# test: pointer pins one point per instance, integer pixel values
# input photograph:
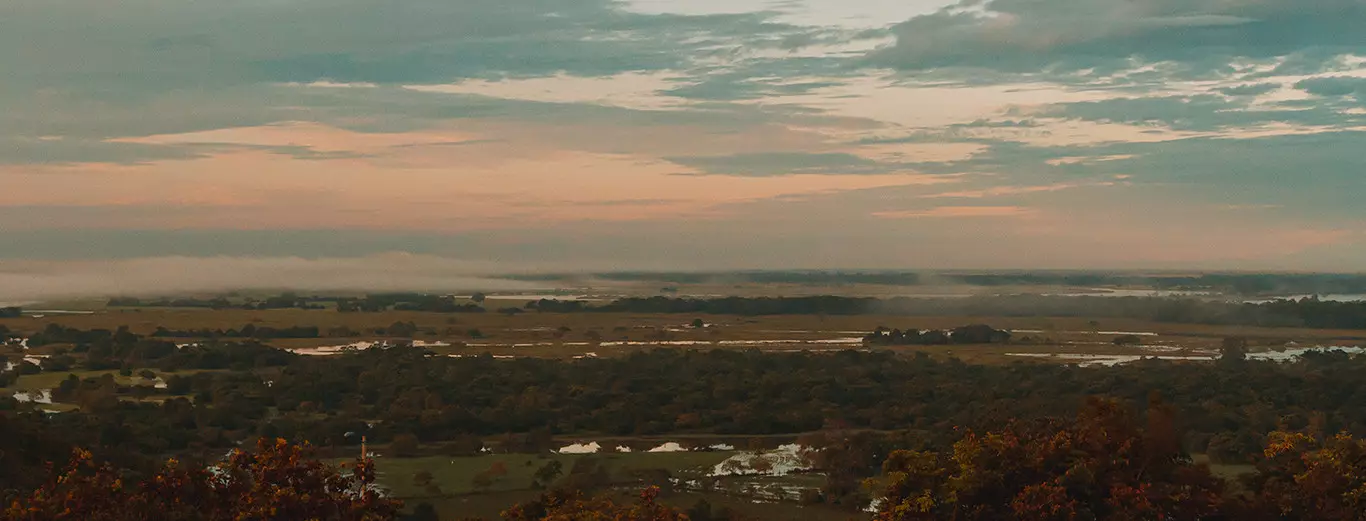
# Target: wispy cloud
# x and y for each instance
(632, 130)
(1000, 191)
(954, 212)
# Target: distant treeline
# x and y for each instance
(285, 301)
(1232, 283)
(755, 277)
(973, 334)
(1227, 406)
(408, 302)
(247, 331)
(397, 329)
(1308, 312)
(11, 312)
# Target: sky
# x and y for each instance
(195, 136)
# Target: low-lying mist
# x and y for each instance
(31, 281)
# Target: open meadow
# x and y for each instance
(568, 335)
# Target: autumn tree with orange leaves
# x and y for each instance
(1103, 466)
(276, 482)
(1304, 478)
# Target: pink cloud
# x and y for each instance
(959, 212)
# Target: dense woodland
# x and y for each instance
(1107, 464)
(1304, 312)
(1224, 283)
(253, 390)
(971, 334)
(224, 388)
(1307, 312)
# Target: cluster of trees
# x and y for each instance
(1306, 312)
(1232, 283)
(278, 481)
(102, 349)
(573, 505)
(282, 301)
(805, 277)
(1228, 283)
(247, 331)
(11, 312)
(971, 334)
(262, 391)
(1107, 464)
(822, 305)
(1111, 465)
(409, 302)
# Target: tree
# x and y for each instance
(481, 482)
(1127, 340)
(423, 512)
(404, 445)
(548, 473)
(1101, 466)
(277, 482)
(573, 506)
(424, 480)
(1305, 478)
(586, 475)
(478, 297)
(1233, 349)
(698, 323)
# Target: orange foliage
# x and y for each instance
(1304, 478)
(1102, 466)
(277, 482)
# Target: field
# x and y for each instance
(553, 335)
(454, 484)
(455, 495)
(40, 381)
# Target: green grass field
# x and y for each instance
(34, 382)
(458, 498)
(455, 475)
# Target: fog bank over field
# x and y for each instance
(29, 281)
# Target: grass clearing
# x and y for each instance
(458, 498)
(35, 382)
(455, 475)
(565, 336)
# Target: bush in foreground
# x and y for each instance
(277, 482)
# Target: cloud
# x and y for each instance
(1331, 86)
(1312, 174)
(204, 66)
(951, 212)
(1206, 112)
(1072, 35)
(419, 41)
(27, 281)
(764, 164)
(1001, 191)
(1251, 89)
(37, 151)
(584, 129)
